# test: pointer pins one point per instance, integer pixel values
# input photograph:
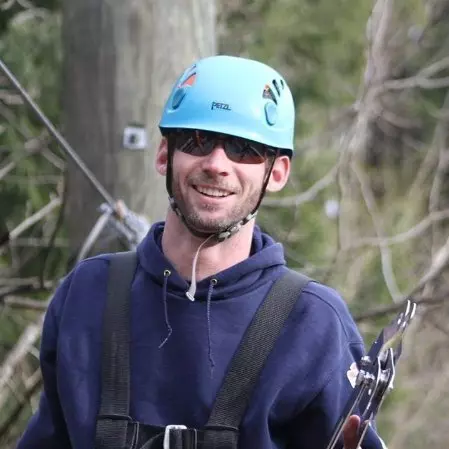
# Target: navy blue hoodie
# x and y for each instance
(300, 392)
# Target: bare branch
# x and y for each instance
(304, 197)
(35, 286)
(11, 99)
(16, 356)
(435, 67)
(38, 180)
(32, 282)
(18, 302)
(386, 260)
(31, 388)
(26, 4)
(415, 82)
(421, 79)
(438, 265)
(40, 243)
(8, 4)
(379, 32)
(381, 311)
(415, 231)
(51, 157)
(6, 168)
(32, 146)
(30, 221)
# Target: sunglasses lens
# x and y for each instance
(241, 151)
(202, 143)
(186, 142)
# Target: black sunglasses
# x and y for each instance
(202, 143)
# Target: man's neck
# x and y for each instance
(180, 247)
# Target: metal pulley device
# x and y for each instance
(376, 373)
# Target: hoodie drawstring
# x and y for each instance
(167, 273)
(213, 282)
(210, 291)
(192, 290)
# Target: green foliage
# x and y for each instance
(30, 46)
(31, 49)
(16, 8)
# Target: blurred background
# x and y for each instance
(367, 207)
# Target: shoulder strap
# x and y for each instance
(258, 341)
(114, 406)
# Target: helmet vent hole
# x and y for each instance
(282, 84)
(189, 81)
(276, 86)
(268, 93)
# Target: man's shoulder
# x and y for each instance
(324, 305)
(86, 275)
(91, 266)
(326, 297)
(321, 294)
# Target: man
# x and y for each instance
(228, 130)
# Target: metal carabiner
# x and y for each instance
(376, 375)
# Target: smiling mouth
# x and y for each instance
(212, 192)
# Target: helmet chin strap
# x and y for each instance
(219, 236)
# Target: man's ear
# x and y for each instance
(162, 157)
(279, 174)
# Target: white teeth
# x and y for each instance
(212, 192)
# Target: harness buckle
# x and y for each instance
(167, 433)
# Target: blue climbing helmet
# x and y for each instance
(236, 96)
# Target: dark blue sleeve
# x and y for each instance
(46, 429)
(315, 424)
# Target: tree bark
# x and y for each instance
(121, 59)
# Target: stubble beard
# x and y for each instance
(196, 219)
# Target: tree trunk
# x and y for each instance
(121, 59)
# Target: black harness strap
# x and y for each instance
(116, 430)
(112, 422)
(234, 396)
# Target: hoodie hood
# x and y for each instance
(267, 256)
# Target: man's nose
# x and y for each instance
(217, 162)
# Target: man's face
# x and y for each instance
(214, 192)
